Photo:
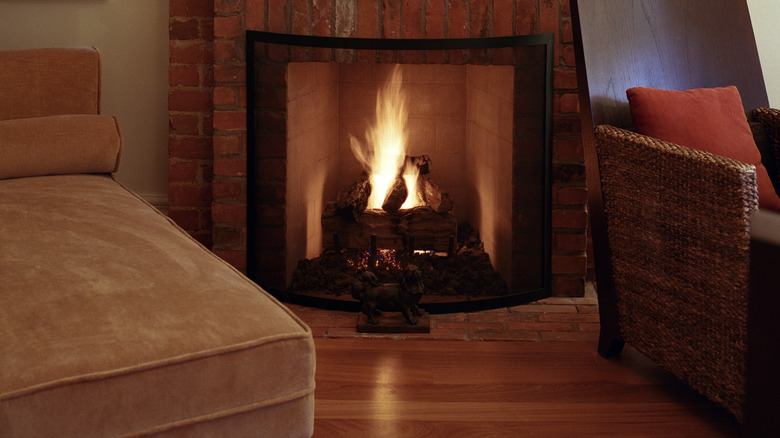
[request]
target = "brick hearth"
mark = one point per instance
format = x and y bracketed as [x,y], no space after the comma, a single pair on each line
[551,319]
[207,101]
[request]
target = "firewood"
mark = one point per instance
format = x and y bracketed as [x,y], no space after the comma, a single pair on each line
[422,162]
[432,195]
[396,196]
[351,203]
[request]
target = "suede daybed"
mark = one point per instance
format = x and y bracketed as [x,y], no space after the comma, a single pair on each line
[113,321]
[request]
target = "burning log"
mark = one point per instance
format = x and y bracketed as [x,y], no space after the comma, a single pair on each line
[396,196]
[422,162]
[351,204]
[432,195]
[430,230]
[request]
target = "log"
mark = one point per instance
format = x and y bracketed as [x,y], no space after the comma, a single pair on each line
[432,195]
[430,230]
[396,196]
[351,203]
[422,162]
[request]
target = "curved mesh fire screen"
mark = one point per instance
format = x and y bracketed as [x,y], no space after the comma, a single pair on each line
[372,154]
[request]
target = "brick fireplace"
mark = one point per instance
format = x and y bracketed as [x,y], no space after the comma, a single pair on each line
[208,149]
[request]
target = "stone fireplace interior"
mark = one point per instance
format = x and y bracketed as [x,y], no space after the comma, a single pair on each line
[485,127]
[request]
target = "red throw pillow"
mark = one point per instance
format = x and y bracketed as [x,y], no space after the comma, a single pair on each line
[708,119]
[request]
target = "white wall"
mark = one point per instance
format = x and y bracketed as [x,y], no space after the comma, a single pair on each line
[765,15]
[132,36]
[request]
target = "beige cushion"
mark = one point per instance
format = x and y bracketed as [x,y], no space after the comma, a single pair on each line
[59,145]
[114,322]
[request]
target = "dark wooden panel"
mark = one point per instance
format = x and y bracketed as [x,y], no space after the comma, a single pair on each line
[669,44]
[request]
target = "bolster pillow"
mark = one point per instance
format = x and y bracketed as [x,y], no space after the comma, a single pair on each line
[57,145]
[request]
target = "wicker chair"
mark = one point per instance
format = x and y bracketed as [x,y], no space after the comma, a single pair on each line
[675,260]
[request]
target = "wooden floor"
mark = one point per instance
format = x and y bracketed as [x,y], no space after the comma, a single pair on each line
[422,388]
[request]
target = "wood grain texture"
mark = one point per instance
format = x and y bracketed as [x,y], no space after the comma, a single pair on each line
[387,388]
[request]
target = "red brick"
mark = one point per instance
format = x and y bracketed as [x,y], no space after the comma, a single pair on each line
[183,171]
[391,24]
[570,242]
[228,6]
[572,196]
[189,100]
[228,213]
[187,219]
[255,15]
[228,26]
[564,79]
[575,218]
[230,166]
[184,124]
[189,148]
[189,195]
[435,13]
[277,17]
[235,258]
[191,8]
[480,24]
[227,236]
[188,29]
[568,56]
[229,74]
[184,75]
[569,317]
[459,22]
[588,336]
[367,20]
[207,29]
[227,190]
[503,18]
[228,145]
[526,22]
[301,16]
[229,120]
[569,287]
[568,148]
[567,36]
[458,28]
[569,264]
[570,103]
[411,20]
[190,52]
[224,96]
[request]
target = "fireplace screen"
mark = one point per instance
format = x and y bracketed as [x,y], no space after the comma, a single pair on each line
[372,154]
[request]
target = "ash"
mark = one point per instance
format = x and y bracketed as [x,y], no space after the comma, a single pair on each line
[467,272]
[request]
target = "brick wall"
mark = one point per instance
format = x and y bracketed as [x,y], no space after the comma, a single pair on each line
[207,71]
[190,79]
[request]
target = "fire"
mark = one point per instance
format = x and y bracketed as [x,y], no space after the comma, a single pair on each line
[384,153]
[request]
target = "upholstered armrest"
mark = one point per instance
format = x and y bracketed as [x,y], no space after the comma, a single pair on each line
[678,223]
[56,145]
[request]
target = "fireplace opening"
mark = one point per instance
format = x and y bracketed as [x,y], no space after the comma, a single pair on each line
[476,129]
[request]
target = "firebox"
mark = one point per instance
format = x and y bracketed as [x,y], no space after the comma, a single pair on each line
[474,124]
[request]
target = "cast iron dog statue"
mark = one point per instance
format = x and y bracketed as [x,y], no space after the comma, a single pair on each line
[403,296]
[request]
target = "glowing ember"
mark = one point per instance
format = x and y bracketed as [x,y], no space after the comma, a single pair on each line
[384,153]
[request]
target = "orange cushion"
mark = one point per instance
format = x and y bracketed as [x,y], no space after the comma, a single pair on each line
[708,119]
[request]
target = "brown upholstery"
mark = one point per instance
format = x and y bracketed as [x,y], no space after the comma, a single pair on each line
[114,321]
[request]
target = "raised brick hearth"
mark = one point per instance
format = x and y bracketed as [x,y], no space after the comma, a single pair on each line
[207,101]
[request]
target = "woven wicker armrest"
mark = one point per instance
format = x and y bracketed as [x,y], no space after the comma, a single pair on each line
[678,223]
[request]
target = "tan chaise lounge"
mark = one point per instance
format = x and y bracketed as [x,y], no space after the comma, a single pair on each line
[113,321]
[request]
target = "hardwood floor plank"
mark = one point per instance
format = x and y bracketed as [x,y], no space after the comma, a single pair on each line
[378,388]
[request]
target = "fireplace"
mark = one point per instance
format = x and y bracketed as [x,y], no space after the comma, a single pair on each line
[479,110]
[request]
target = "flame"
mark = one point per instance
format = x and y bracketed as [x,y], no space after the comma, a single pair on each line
[384,153]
